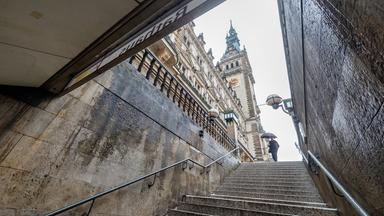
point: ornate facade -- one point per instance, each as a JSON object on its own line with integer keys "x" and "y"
{"x": 226, "y": 86}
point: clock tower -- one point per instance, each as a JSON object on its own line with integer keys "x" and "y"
{"x": 236, "y": 69}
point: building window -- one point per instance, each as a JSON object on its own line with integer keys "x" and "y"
{"x": 232, "y": 65}
{"x": 237, "y": 63}
{"x": 227, "y": 67}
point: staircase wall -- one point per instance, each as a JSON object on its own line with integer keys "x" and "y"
{"x": 339, "y": 97}
{"x": 67, "y": 148}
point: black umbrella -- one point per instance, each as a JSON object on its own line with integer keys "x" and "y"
{"x": 268, "y": 135}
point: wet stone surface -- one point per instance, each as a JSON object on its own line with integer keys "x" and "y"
{"x": 69, "y": 148}
{"x": 343, "y": 53}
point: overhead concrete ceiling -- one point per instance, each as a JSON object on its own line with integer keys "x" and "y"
{"x": 39, "y": 37}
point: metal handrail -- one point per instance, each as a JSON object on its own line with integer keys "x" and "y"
{"x": 94, "y": 197}
{"x": 215, "y": 161}
{"x": 301, "y": 152}
{"x": 334, "y": 181}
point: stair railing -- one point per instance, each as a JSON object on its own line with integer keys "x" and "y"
{"x": 101, "y": 194}
{"x": 312, "y": 158}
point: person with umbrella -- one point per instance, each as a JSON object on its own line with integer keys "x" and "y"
{"x": 273, "y": 144}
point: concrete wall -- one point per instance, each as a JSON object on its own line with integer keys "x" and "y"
{"x": 344, "y": 108}
{"x": 109, "y": 131}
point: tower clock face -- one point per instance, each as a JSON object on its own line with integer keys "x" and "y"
{"x": 234, "y": 82}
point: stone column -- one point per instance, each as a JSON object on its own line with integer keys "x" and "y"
{"x": 232, "y": 132}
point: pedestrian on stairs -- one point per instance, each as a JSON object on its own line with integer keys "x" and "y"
{"x": 273, "y": 147}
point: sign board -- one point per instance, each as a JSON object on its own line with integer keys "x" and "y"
{"x": 114, "y": 57}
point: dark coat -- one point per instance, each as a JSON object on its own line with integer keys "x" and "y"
{"x": 273, "y": 146}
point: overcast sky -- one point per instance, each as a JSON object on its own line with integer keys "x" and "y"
{"x": 258, "y": 27}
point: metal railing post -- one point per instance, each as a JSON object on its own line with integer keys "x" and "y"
{"x": 142, "y": 61}
{"x": 90, "y": 207}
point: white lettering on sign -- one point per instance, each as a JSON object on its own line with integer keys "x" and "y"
{"x": 147, "y": 34}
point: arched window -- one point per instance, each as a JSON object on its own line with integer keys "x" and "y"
{"x": 227, "y": 67}
{"x": 237, "y": 63}
{"x": 232, "y": 65}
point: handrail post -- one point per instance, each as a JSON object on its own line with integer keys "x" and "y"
{"x": 90, "y": 207}
{"x": 142, "y": 60}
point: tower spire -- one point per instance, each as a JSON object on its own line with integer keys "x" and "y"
{"x": 233, "y": 42}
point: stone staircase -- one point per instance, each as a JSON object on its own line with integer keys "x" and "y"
{"x": 261, "y": 188}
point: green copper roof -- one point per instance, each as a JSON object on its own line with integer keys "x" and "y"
{"x": 233, "y": 42}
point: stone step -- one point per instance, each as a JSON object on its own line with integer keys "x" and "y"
{"x": 267, "y": 183}
{"x": 273, "y": 175}
{"x": 275, "y": 186}
{"x": 267, "y": 175}
{"x": 272, "y": 168}
{"x": 261, "y": 164}
{"x": 307, "y": 177}
{"x": 177, "y": 212}
{"x": 273, "y": 164}
{"x": 304, "y": 198}
{"x": 303, "y": 169}
{"x": 256, "y": 172}
{"x": 268, "y": 178}
{"x": 271, "y": 171}
{"x": 225, "y": 211}
{"x": 284, "y": 172}
{"x": 280, "y": 162}
{"x": 267, "y": 190}
{"x": 293, "y": 202}
{"x": 300, "y": 168}
{"x": 261, "y": 206}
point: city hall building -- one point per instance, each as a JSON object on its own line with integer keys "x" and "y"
{"x": 227, "y": 85}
